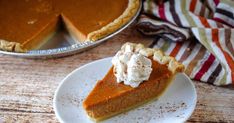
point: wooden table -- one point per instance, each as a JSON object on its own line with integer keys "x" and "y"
{"x": 27, "y": 86}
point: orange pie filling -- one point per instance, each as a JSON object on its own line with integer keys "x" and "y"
{"x": 27, "y": 24}
{"x": 109, "y": 97}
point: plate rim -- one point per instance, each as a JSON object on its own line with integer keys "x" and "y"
{"x": 63, "y": 81}
{"x": 109, "y": 58}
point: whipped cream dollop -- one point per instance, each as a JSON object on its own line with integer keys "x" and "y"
{"x": 131, "y": 68}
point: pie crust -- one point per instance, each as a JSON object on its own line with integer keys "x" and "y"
{"x": 173, "y": 65}
{"x": 109, "y": 98}
{"x": 131, "y": 10}
{"x": 13, "y": 45}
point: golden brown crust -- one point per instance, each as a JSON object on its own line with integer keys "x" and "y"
{"x": 11, "y": 46}
{"x": 173, "y": 65}
{"x": 133, "y": 6}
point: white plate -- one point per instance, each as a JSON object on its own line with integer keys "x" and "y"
{"x": 176, "y": 105}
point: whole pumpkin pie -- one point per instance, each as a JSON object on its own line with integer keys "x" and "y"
{"x": 121, "y": 90}
{"x": 28, "y": 24}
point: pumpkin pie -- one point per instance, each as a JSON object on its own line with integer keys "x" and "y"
{"x": 109, "y": 97}
{"x": 28, "y": 24}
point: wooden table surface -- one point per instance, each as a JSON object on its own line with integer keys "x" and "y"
{"x": 27, "y": 86}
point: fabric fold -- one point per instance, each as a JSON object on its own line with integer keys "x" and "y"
{"x": 168, "y": 31}
{"x": 199, "y": 34}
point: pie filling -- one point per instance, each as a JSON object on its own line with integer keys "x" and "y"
{"x": 109, "y": 97}
{"x": 27, "y": 23}
{"x": 124, "y": 97}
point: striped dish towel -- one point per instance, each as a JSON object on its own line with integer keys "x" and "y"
{"x": 198, "y": 33}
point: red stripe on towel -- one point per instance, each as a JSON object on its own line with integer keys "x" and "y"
{"x": 216, "y": 2}
{"x": 192, "y": 5}
{"x": 222, "y": 21}
{"x": 176, "y": 49}
{"x": 205, "y": 67}
{"x": 161, "y": 11}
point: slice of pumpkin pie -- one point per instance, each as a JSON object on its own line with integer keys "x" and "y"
{"x": 137, "y": 76}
